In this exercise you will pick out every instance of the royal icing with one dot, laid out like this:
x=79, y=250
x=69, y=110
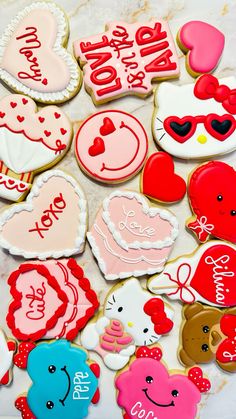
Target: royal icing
x=203, y=44
x=213, y=203
x=30, y=141
x=130, y=238
x=51, y=299
x=100, y=145
x=159, y=181
x=208, y=276
x=226, y=351
x=64, y=382
x=126, y=58
x=52, y=221
x=7, y=349
x=158, y=393
x=37, y=53
x=122, y=326
x=199, y=122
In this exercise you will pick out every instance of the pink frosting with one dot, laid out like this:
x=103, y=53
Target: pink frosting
x=206, y=44
x=140, y=397
x=101, y=141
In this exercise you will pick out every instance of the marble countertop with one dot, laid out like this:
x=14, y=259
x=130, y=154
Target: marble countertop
x=88, y=17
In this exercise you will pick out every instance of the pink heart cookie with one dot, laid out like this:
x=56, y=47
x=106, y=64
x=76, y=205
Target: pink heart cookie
x=130, y=238
x=51, y=223
x=203, y=44
x=38, y=54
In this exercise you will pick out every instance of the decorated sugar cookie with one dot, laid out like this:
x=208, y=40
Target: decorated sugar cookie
x=156, y=391
x=51, y=299
x=129, y=238
x=7, y=349
x=203, y=44
x=101, y=141
x=30, y=141
x=200, y=122
x=208, y=334
x=126, y=58
x=207, y=275
x=64, y=380
x=51, y=223
x=122, y=325
x=212, y=196
x=39, y=55
x=158, y=167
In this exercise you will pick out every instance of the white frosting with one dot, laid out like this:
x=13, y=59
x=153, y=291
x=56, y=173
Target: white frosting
x=5, y=356
x=12, y=192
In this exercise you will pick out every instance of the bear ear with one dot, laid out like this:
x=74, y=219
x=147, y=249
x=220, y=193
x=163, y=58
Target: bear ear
x=190, y=310
x=231, y=310
x=185, y=359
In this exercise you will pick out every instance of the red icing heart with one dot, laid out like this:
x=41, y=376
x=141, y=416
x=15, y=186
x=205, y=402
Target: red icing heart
x=2, y=114
x=20, y=118
x=47, y=133
x=226, y=351
x=57, y=115
x=41, y=119
x=196, y=376
x=159, y=180
x=228, y=325
x=108, y=127
x=13, y=104
x=11, y=181
x=24, y=101
x=63, y=131
x=215, y=276
x=45, y=82
x=97, y=148
x=21, y=357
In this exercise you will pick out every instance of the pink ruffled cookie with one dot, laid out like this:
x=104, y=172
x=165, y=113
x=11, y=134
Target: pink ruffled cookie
x=126, y=58
x=30, y=141
x=111, y=146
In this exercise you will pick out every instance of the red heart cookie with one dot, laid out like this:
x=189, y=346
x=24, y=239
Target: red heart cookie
x=159, y=181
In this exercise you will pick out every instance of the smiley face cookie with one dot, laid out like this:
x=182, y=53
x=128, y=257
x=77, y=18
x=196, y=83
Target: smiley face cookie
x=200, y=122
x=111, y=146
x=64, y=381
x=212, y=196
x=156, y=391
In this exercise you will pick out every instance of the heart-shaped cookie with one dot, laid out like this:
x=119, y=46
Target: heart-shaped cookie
x=38, y=54
x=130, y=238
x=203, y=44
x=159, y=181
x=51, y=223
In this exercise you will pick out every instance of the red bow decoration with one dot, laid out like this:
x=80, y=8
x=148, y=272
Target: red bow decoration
x=196, y=376
x=22, y=405
x=156, y=309
x=20, y=359
x=183, y=288
x=145, y=352
x=208, y=87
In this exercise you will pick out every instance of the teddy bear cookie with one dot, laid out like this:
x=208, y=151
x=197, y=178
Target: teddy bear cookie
x=207, y=275
x=130, y=238
x=64, y=380
x=100, y=143
x=208, y=334
x=7, y=350
x=121, y=326
x=51, y=223
x=30, y=141
x=212, y=197
x=200, y=122
x=38, y=54
x=126, y=58
x=156, y=391
x=50, y=299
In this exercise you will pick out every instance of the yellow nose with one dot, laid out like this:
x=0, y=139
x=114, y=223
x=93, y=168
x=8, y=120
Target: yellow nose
x=130, y=324
x=202, y=139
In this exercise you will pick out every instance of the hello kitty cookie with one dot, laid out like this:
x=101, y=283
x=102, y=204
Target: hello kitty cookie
x=203, y=45
x=7, y=350
x=121, y=326
x=101, y=141
x=126, y=58
x=30, y=141
x=200, y=122
x=208, y=275
x=51, y=223
x=31, y=58
x=64, y=380
x=212, y=197
x=130, y=238
x=51, y=300
x=158, y=392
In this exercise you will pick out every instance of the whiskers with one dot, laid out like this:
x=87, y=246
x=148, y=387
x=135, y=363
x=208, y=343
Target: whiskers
x=160, y=129
x=111, y=301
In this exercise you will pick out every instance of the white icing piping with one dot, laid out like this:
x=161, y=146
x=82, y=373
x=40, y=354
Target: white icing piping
x=28, y=206
x=75, y=73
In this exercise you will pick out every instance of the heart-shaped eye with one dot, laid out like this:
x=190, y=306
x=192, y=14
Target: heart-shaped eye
x=97, y=148
x=181, y=129
x=108, y=127
x=220, y=127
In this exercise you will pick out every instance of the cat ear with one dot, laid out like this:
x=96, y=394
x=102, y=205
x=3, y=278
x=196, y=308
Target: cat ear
x=164, y=91
x=132, y=284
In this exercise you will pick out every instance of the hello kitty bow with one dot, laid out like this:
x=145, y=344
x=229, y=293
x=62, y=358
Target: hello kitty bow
x=208, y=87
